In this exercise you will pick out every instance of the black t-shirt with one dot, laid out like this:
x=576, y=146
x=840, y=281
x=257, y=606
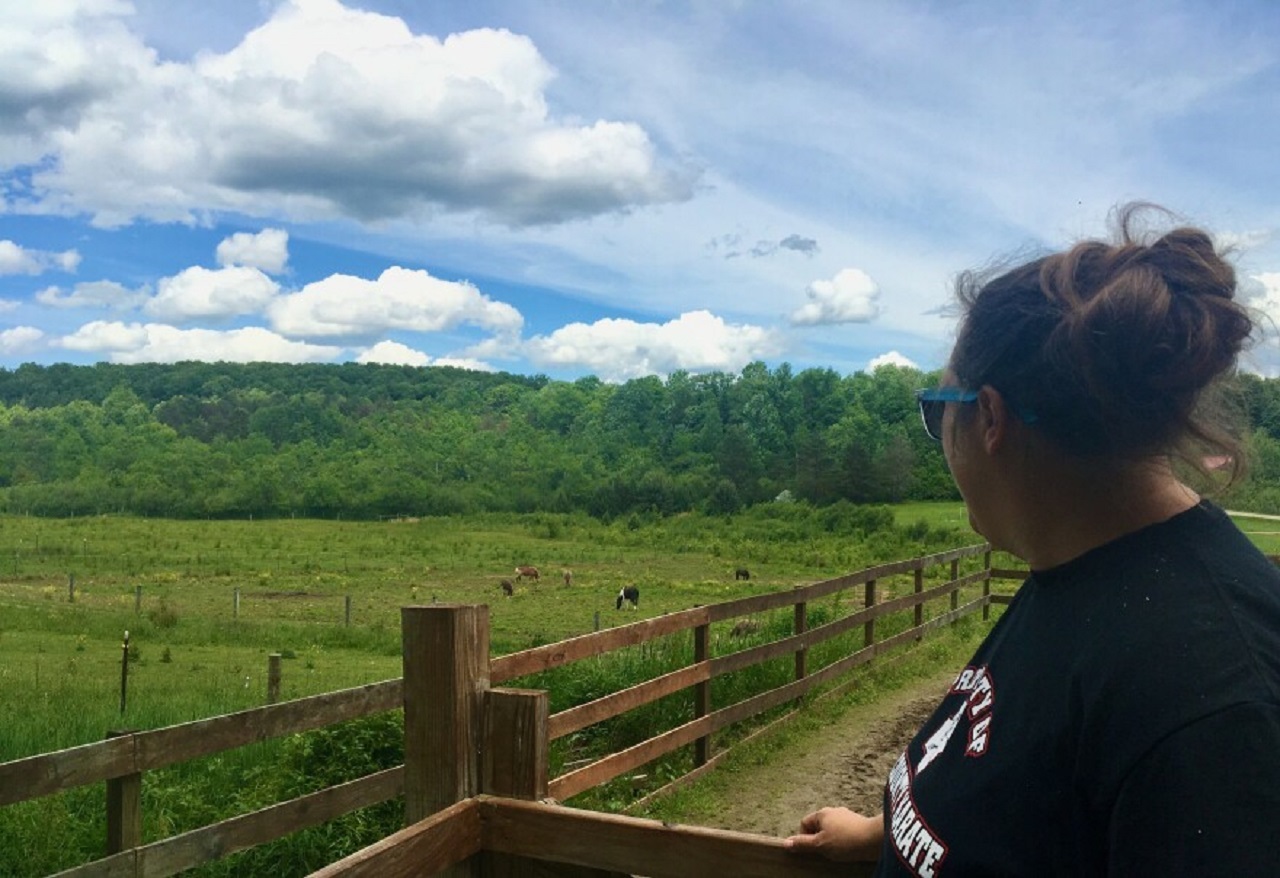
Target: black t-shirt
x=1122, y=718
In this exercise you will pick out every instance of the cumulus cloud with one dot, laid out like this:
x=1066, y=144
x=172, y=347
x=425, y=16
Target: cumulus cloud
x=212, y=293
x=95, y=294
x=160, y=343
x=7, y=305
x=400, y=298
x=267, y=251
x=19, y=339
x=15, y=259
x=892, y=358
x=617, y=350
x=1263, y=293
x=849, y=297
x=392, y=353
x=395, y=354
x=323, y=110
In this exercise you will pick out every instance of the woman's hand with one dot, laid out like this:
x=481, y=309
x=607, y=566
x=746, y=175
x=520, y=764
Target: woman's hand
x=840, y=834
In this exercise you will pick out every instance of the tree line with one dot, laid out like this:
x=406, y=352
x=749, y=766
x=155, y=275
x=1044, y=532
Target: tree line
x=195, y=439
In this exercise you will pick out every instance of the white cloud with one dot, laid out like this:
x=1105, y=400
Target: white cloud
x=7, y=305
x=212, y=293
x=465, y=363
x=94, y=294
x=15, y=259
x=400, y=298
x=159, y=343
x=1263, y=293
x=393, y=353
x=323, y=110
x=19, y=339
x=268, y=250
x=617, y=350
x=849, y=297
x=1242, y=241
x=892, y=358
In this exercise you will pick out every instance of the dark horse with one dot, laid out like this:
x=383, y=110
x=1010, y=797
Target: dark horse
x=631, y=594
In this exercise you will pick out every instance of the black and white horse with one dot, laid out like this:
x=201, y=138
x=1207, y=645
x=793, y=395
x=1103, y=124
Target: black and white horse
x=630, y=594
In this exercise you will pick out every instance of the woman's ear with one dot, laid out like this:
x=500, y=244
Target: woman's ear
x=993, y=416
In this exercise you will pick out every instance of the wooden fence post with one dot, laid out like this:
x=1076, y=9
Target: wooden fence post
x=919, y=614
x=514, y=763
x=347, y=612
x=955, y=592
x=124, y=807
x=273, y=678
x=986, y=588
x=446, y=672
x=235, y=605
x=701, y=692
x=71, y=588
x=869, y=627
x=516, y=743
x=800, y=627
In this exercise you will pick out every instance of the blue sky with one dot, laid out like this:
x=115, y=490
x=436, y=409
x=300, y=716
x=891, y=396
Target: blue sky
x=617, y=188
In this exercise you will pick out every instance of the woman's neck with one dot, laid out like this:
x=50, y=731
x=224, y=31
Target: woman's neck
x=1068, y=510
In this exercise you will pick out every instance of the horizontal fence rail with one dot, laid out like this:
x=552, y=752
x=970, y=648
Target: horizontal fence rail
x=543, y=836
x=451, y=746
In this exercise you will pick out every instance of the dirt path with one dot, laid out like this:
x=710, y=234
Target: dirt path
x=845, y=764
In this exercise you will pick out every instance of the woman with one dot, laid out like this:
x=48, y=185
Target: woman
x=1123, y=715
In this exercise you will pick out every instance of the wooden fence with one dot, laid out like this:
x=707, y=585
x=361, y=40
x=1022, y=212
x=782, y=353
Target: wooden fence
x=473, y=751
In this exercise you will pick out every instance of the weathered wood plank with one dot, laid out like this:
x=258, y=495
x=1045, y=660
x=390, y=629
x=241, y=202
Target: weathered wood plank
x=47, y=773
x=568, y=721
x=554, y=655
x=613, y=765
x=35, y=776
x=515, y=751
x=209, y=843
x=121, y=865
x=444, y=839
x=643, y=847
x=446, y=665
x=161, y=747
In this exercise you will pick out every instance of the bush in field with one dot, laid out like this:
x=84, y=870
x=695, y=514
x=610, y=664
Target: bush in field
x=163, y=616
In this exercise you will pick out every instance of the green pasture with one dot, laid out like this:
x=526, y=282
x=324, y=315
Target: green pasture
x=194, y=654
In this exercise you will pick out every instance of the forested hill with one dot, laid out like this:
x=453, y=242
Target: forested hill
x=201, y=439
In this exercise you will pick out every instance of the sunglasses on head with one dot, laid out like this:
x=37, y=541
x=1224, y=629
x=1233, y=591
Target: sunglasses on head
x=933, y=402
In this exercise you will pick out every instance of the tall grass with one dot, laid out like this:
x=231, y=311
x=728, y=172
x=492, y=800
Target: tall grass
x=193, y=656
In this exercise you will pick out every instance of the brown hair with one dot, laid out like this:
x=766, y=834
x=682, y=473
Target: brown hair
x=1111, y=350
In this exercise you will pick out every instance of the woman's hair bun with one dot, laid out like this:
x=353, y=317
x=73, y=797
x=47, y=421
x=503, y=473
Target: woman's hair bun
x=1119, y=338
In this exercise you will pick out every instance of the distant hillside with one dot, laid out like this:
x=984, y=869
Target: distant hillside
x=219, y=439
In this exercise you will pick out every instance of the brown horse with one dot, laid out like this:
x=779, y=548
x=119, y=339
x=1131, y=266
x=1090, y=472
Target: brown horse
x=524, y=572
x=507, y=588
x=741, y=573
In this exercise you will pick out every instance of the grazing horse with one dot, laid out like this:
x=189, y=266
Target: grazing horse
x=507, y=588
x=568, y=577
x=631, y=594
x=741, y=573
x=530, y=572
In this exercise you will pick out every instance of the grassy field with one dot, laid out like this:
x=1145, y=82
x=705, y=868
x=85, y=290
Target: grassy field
x=195, y=653
x=69, y=589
